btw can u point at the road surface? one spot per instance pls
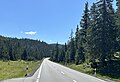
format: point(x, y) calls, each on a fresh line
point(53, 72)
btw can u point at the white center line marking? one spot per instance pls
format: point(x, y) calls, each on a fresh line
point(74, 81)
point(62, 72)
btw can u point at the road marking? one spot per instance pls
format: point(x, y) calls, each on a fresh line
point(62, 72)
point(74, 81)
point(38, 78)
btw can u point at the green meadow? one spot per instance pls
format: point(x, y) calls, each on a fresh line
point(16, 69)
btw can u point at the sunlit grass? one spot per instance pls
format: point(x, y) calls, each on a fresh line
point(80, 68)
point(16, 69)
point(89, 71)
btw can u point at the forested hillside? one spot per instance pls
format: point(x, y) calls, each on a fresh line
point(25, 49)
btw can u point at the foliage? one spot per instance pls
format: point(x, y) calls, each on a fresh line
point(118, 23)
point(26, 49)
point(97, 39)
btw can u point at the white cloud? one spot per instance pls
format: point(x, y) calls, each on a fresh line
point(30, 33)
point(50, 40)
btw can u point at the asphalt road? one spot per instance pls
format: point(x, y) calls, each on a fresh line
point(53, 72)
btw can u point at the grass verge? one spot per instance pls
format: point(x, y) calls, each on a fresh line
point(16, 69)
point(89, 71)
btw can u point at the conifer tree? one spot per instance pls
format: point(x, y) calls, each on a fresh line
point(72, 48)
point(56, 53)
point(118, 23)
point(24, 56)
point(84, 23)
point(76, 37)
point(103, 32)
point(11, 53)
point(91, 54)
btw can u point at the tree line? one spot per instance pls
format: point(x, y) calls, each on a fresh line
point(97, 36)
point(23, 49)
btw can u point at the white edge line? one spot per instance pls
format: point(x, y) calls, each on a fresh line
point(74, 81)
point(39, 73)
point(62, 72)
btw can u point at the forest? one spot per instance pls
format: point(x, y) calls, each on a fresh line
point(96, 40)
point(23, 49)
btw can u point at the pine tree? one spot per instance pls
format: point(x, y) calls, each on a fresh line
point(76, 37)
point(91, 54)
point(84, 23)
point(24, 56)
point(52, 54)
point(56, 53)
point(81, 47)
point(118, 23)
point(72, 48)
point(67, 56)
point(77, 57)
point(77, 46)
point(80, 53)
point(65, 48)
point(103, 32)
point(11, 53)
point(61, 56)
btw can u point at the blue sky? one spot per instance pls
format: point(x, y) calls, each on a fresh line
point(47, 20)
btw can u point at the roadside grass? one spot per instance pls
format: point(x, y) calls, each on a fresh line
point(84, 69)
point(16, 69)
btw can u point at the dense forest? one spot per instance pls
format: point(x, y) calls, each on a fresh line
point(96, 40)
point(23, 49)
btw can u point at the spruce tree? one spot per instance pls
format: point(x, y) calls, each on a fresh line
point(72, 48)
point(77, 57)
point(24, 56)
point(76, 37)
point(67, 56)
point(77, 54)
point(56, 53)
point(65, 48)
point(11, 53)
point(81, 46)
point(84, 23)
point(52, 54)
point(103, 32)
point(79, 41)
point(118, 23)
point(91, 54)
point(61, 56)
